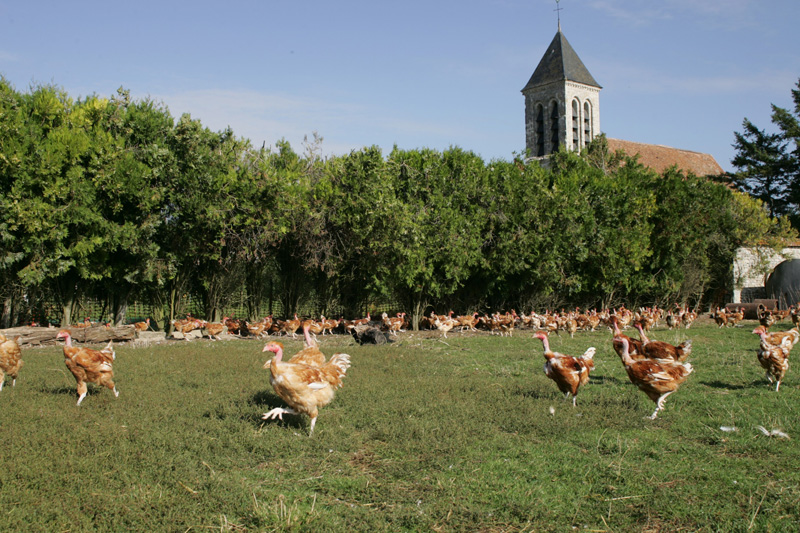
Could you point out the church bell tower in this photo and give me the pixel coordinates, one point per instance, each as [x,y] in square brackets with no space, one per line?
[562,102]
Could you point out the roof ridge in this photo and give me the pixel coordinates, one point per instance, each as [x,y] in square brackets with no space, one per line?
[658,145]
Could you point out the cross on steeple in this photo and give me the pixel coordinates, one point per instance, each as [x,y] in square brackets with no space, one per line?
[558,13]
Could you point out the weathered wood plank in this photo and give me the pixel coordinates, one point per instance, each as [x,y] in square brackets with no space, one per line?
[39,336]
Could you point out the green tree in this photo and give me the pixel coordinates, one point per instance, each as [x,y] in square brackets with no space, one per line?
[769,163]
[439,233]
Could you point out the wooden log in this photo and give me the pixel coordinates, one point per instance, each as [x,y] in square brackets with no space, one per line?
[38,336]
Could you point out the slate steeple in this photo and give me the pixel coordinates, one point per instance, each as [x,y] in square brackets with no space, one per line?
[561,63]
[562,104]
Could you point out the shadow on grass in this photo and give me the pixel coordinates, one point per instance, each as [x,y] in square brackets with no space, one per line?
[722,385]
[606,379]
[264,401]
[72,391]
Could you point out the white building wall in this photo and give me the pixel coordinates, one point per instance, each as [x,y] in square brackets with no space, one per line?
[752,267]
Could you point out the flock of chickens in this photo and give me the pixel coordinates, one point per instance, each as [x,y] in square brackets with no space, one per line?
[307,381]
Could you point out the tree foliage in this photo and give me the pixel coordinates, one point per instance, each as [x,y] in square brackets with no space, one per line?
[769,163]
[114,199]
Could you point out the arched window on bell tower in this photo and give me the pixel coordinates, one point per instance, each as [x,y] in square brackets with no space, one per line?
[539,129]
[588,134]
[553,126]
[576,125]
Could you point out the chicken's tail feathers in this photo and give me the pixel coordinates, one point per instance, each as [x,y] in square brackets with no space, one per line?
[109,349]
[341,361]
[689,368]
[589,353]
[336,368]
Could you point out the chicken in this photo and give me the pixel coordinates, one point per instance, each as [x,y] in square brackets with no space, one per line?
[467,321]
[734,317]
[765,316]
[310,354]
[720,317]
[657,379]
[773,352]
[569,373]
[395,323]
[142,326]
[329,324]
[362,321]
[664,350]
[778,338]
[87,323]
[290,327]
[305,388]
[255,329]
[634,345]
[89,365]
[444,324]
[215,329]
[314,326]
[187,325]
[688,318]
[673,320]
[10,360]
[234,326]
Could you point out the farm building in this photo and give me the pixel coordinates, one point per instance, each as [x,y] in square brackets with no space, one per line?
[761,272]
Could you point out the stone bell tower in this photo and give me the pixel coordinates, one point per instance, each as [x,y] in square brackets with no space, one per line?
[562,102]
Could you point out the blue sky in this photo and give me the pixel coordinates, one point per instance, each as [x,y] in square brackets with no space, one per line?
[681,73]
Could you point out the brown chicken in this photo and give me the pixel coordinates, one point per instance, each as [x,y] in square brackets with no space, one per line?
[395,323]
[569,373]
[89,365]
[142,326]
[773,353]
[664,350]
[310,354]
[468,321]
[720,316]
[304,387]
[215,329]
[778,338]
[10,359]
[657,379]
[735,316]
[634,345]
[290,326]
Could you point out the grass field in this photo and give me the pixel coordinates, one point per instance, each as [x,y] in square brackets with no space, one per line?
[425,435]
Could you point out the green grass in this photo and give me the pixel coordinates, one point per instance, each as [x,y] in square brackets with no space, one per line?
[424,435]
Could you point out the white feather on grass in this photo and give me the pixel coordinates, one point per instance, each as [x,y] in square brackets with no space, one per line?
[772,432]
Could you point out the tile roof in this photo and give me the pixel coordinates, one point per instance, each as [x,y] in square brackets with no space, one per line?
[559,63]
[660,158]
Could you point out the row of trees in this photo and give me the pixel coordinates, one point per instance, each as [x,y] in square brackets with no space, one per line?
[116,200]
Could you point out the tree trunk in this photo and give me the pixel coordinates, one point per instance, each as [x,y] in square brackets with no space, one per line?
[119,308]
[67,305]
[5,321]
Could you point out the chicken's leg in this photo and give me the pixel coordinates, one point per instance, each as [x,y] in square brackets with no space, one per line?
[660,404]
[82,390]
[278,412]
